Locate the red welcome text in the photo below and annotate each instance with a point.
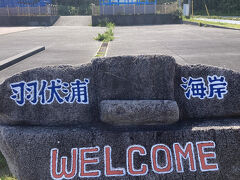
(174, 159)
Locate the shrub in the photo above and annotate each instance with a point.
(108, 35)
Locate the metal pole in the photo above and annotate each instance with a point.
(39, 10)
(190, 5)
(8, 11)
(28, 10)
(207, 9)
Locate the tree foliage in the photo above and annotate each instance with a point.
(217, 7)
(74, 7)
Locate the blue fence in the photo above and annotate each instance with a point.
(126, 2)
(24, 3)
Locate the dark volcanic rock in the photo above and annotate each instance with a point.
(65, 126)
(139, 112)
(127, 78)
(53, 114)
(121, 78)
(135, 78)
(27, 150)
(208, 108)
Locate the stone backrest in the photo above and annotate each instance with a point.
(122, 78)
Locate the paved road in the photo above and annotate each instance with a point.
(12, 43)
(8, 30)
(64, 45)
(188, 44)
(74, 21)
(75, 45)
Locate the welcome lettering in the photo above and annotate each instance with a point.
(79, 160)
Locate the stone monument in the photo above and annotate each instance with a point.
(128, 117)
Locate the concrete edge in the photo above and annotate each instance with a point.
(19, 57)
(11, 21)
(207, 25)
(137, 19)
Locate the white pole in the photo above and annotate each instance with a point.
(28, 10)
(8, 11)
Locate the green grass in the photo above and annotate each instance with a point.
(108, 35)
(4, 171)
(100, 55)
(3, 162)
(104, 22)
(205, 23)
(7, 178)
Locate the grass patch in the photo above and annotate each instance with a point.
(100, 55)
(7, 178)
(205, 23)
(4, 171)
(105, 22)
(3, 163)
(108, 35)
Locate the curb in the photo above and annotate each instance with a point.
(19, 57)
(102, 51)
(207, 25)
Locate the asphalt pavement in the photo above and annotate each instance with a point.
(65, 44)
(188, 44)
(74, 21)
(75, 44)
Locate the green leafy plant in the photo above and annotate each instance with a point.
(108, 35)
(3, 162)
(103, 22)
(178, 13)
(110, 25)
(7, 178)
(5, 173)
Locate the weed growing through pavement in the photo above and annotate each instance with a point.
(108, 35)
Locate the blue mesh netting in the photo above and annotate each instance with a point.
(127, 2)
(24, 3)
